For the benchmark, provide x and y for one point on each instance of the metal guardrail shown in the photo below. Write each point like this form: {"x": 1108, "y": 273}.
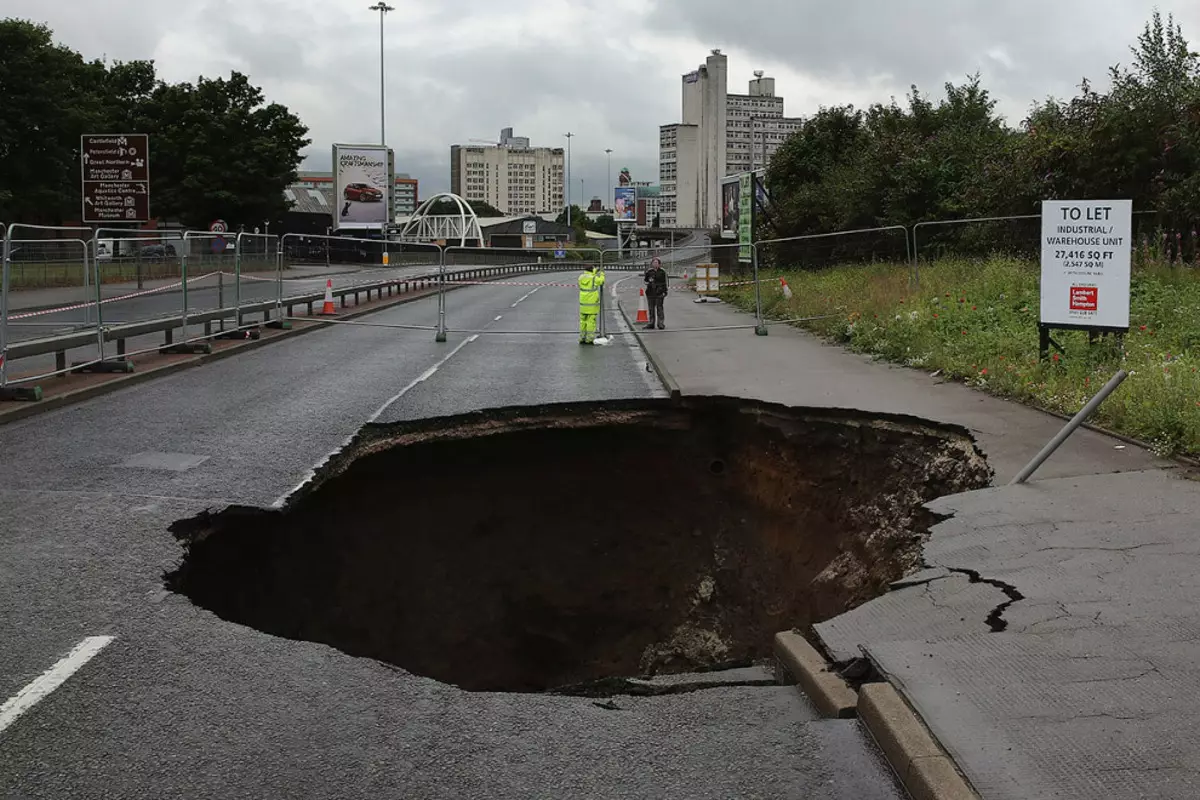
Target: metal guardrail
{"x": 60, "y": 344}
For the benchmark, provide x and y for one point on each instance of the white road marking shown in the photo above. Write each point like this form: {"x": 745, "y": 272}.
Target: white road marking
{"x": 497, "y": 319}
{"x": 424, "y": 376}
{"x": 524, "y": 297}
{"x": 51, "y": 679}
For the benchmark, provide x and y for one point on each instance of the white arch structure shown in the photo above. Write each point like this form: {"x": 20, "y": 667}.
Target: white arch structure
{"x": 425, "y": 227}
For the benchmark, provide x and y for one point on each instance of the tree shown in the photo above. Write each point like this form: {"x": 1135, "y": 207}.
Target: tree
{"x": 447, "y": 207}
{"x": 217, "y": 149}
{"x": 49, "y": 97}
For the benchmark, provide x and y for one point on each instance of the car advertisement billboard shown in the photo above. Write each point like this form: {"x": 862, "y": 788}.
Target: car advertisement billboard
{"x": 362, "y": 179}
{"x": 625, "y": 204}
{"x": 731, "y": 206}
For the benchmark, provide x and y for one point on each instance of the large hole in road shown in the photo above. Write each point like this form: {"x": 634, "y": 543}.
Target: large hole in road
{"x": 530, "y": 549}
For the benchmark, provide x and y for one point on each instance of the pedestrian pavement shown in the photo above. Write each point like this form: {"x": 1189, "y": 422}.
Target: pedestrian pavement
{"x": 1051, "y": 642}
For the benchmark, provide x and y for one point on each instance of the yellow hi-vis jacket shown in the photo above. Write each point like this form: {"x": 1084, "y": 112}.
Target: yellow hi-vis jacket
{"x": 590, "y": 284}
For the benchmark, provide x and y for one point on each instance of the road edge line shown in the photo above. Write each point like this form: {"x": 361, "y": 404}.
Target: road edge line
{"x": 668, "y": 381}
{"x": 914, "y": 753}
{"x": 59, "y": 673}
{"x": 800, "y": 661}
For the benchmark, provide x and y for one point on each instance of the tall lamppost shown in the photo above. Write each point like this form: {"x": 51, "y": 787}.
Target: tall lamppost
{"x": 608, "y": 155}
{"x": 568, "y": 181}
{"x": 382, "y": 8}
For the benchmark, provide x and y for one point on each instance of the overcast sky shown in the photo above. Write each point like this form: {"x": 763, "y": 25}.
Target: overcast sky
{"x": 607, "y": 70}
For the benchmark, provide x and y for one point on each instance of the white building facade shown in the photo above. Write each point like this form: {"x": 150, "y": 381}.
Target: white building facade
{"x": 512, "y": 176}
{"x": 720, "y": 134}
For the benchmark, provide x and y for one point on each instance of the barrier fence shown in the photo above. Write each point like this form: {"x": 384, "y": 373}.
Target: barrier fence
{"x": 127, "y": 284}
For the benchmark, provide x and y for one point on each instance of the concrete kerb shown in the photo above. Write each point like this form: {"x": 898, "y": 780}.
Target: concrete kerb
{"x": 924, "y": 768}
{"x": 800, "y": 663}
{"x": 51, "y": 402}
{"x": 669, "y": 382}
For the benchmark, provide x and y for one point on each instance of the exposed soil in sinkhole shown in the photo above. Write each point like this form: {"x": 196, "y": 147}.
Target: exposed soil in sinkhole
{"x": 528, "y": 549}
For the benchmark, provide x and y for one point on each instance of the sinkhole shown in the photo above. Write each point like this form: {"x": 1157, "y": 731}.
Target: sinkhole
{"x": 536, "y": 548}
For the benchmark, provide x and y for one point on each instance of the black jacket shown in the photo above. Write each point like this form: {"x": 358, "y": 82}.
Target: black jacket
{"x": 656, "y": 282}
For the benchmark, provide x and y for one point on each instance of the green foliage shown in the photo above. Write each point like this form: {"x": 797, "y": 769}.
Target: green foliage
{"x": 446, "y": 207}
{"x": 217, "y": 149}
{"x": 976, "y": 322}
{"x": 956, "y": 158}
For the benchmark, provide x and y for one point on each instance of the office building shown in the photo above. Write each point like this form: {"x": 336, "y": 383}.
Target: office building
{"x": 720, "y": 134}
{"x": 511, "y": 175}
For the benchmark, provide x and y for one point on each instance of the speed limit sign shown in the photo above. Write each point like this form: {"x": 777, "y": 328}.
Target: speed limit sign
{"x": 218, "y": 226}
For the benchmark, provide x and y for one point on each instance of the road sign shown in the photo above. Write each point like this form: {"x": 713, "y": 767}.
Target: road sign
{"x": 218, "y": 245}
{"x": 218, "y": 226}
{"x": 115, "y": 170}
{"x": 560, "y": 253}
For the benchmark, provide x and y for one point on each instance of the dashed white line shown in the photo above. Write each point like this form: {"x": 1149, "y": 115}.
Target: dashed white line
{"x": 524, "y": 297}
{"x": 51, "y": 679}
{"x": 497, "y": 319}
{"x": 424, "y": 376}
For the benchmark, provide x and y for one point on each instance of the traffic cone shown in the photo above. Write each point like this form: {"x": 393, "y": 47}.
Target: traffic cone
{"x": 327, "y": 308}
{"x": 643, "y": 314}
{"x": 787, "y": 290}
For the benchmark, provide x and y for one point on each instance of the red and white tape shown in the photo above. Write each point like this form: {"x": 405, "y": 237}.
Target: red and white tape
{"x": 60, "y": 309}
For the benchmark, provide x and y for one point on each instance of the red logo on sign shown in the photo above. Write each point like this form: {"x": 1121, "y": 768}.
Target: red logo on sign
{"x": 1084, "y": 298}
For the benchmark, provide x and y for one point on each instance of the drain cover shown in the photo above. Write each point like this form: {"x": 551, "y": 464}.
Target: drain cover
{"x": 169, "y": 462}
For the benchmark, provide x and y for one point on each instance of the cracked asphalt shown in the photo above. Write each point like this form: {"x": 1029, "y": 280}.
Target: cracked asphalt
{"x": 182, "y": 704}
{"x": 1051, "y": 640}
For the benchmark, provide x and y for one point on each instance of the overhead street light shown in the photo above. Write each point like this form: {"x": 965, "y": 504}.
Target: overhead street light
{"x": 383, "y": 8}
{"x": 568, "y": 174}
{"x": 608, "y": 155}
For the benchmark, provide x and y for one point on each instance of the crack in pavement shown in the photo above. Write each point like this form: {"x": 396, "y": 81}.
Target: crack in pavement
{"x": 995, "y": 620}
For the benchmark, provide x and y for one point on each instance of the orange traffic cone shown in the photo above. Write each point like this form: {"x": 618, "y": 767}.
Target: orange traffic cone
{"x": 787, "y": 290}
{"x": 328, "y": 307}
{"x": 643, "y": 314}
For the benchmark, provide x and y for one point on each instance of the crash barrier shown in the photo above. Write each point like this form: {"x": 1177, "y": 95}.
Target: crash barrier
{"x": 211, "y": 320}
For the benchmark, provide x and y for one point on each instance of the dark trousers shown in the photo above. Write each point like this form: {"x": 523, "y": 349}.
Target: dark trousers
{"x": 657, "y": 315}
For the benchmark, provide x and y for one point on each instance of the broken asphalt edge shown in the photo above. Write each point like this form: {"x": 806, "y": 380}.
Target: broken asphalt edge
{"x": 53, "y": 401}
{"x": 669, "y": 382}
{"x": 923, "y": 767}
{"x": 919, "y": 761}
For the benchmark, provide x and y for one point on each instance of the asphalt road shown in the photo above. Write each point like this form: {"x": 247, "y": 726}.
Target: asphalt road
{"x": 184, "y": 705}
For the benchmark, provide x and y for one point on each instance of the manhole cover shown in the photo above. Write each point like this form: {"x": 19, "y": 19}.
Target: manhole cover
{"x": 170, "y": 462}
{"x": 536, "y": 548}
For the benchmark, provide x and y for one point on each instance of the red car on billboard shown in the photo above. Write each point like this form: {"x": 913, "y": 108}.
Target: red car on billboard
{"x": 362, "y": 192}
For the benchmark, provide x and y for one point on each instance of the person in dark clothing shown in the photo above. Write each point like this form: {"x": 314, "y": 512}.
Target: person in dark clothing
{"x": 656, "y": 292}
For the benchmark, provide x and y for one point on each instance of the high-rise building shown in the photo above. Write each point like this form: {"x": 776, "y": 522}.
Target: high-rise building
{"x": 720, "y": 134}
{"x": 510, "y": 175}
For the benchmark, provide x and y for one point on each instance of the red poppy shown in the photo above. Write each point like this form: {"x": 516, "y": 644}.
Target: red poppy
{"x": 1056, "y": 357}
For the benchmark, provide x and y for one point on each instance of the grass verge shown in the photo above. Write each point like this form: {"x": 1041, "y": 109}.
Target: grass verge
{"x": 976, "y": 321}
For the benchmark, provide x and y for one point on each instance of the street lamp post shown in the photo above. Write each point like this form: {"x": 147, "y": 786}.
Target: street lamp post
{"x": 568, "y": 181}
{"x": 382, "y": 8}
{"x": 608, "y": 155}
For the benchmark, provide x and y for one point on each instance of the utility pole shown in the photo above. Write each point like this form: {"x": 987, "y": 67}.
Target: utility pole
{"x": 568, "y": 181}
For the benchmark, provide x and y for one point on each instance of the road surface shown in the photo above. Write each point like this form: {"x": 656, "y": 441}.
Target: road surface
{"x": 181, "y": 704}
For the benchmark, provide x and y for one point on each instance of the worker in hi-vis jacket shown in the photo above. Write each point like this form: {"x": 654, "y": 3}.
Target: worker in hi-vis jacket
{"x": 591, "y": 282}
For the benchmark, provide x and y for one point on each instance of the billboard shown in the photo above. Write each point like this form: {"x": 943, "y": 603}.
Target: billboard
{"x": 363, "y": 176}
{"x": 730, "y": 206}
{"x": 1086, "y": 251}
{"x": 745, "y": 215}
{"x": 625, "y": 204}
{"x": 115, "y": 169}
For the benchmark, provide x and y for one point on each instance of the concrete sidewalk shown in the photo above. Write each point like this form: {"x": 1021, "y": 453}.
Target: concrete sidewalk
{"x": 1051, "y": 645}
